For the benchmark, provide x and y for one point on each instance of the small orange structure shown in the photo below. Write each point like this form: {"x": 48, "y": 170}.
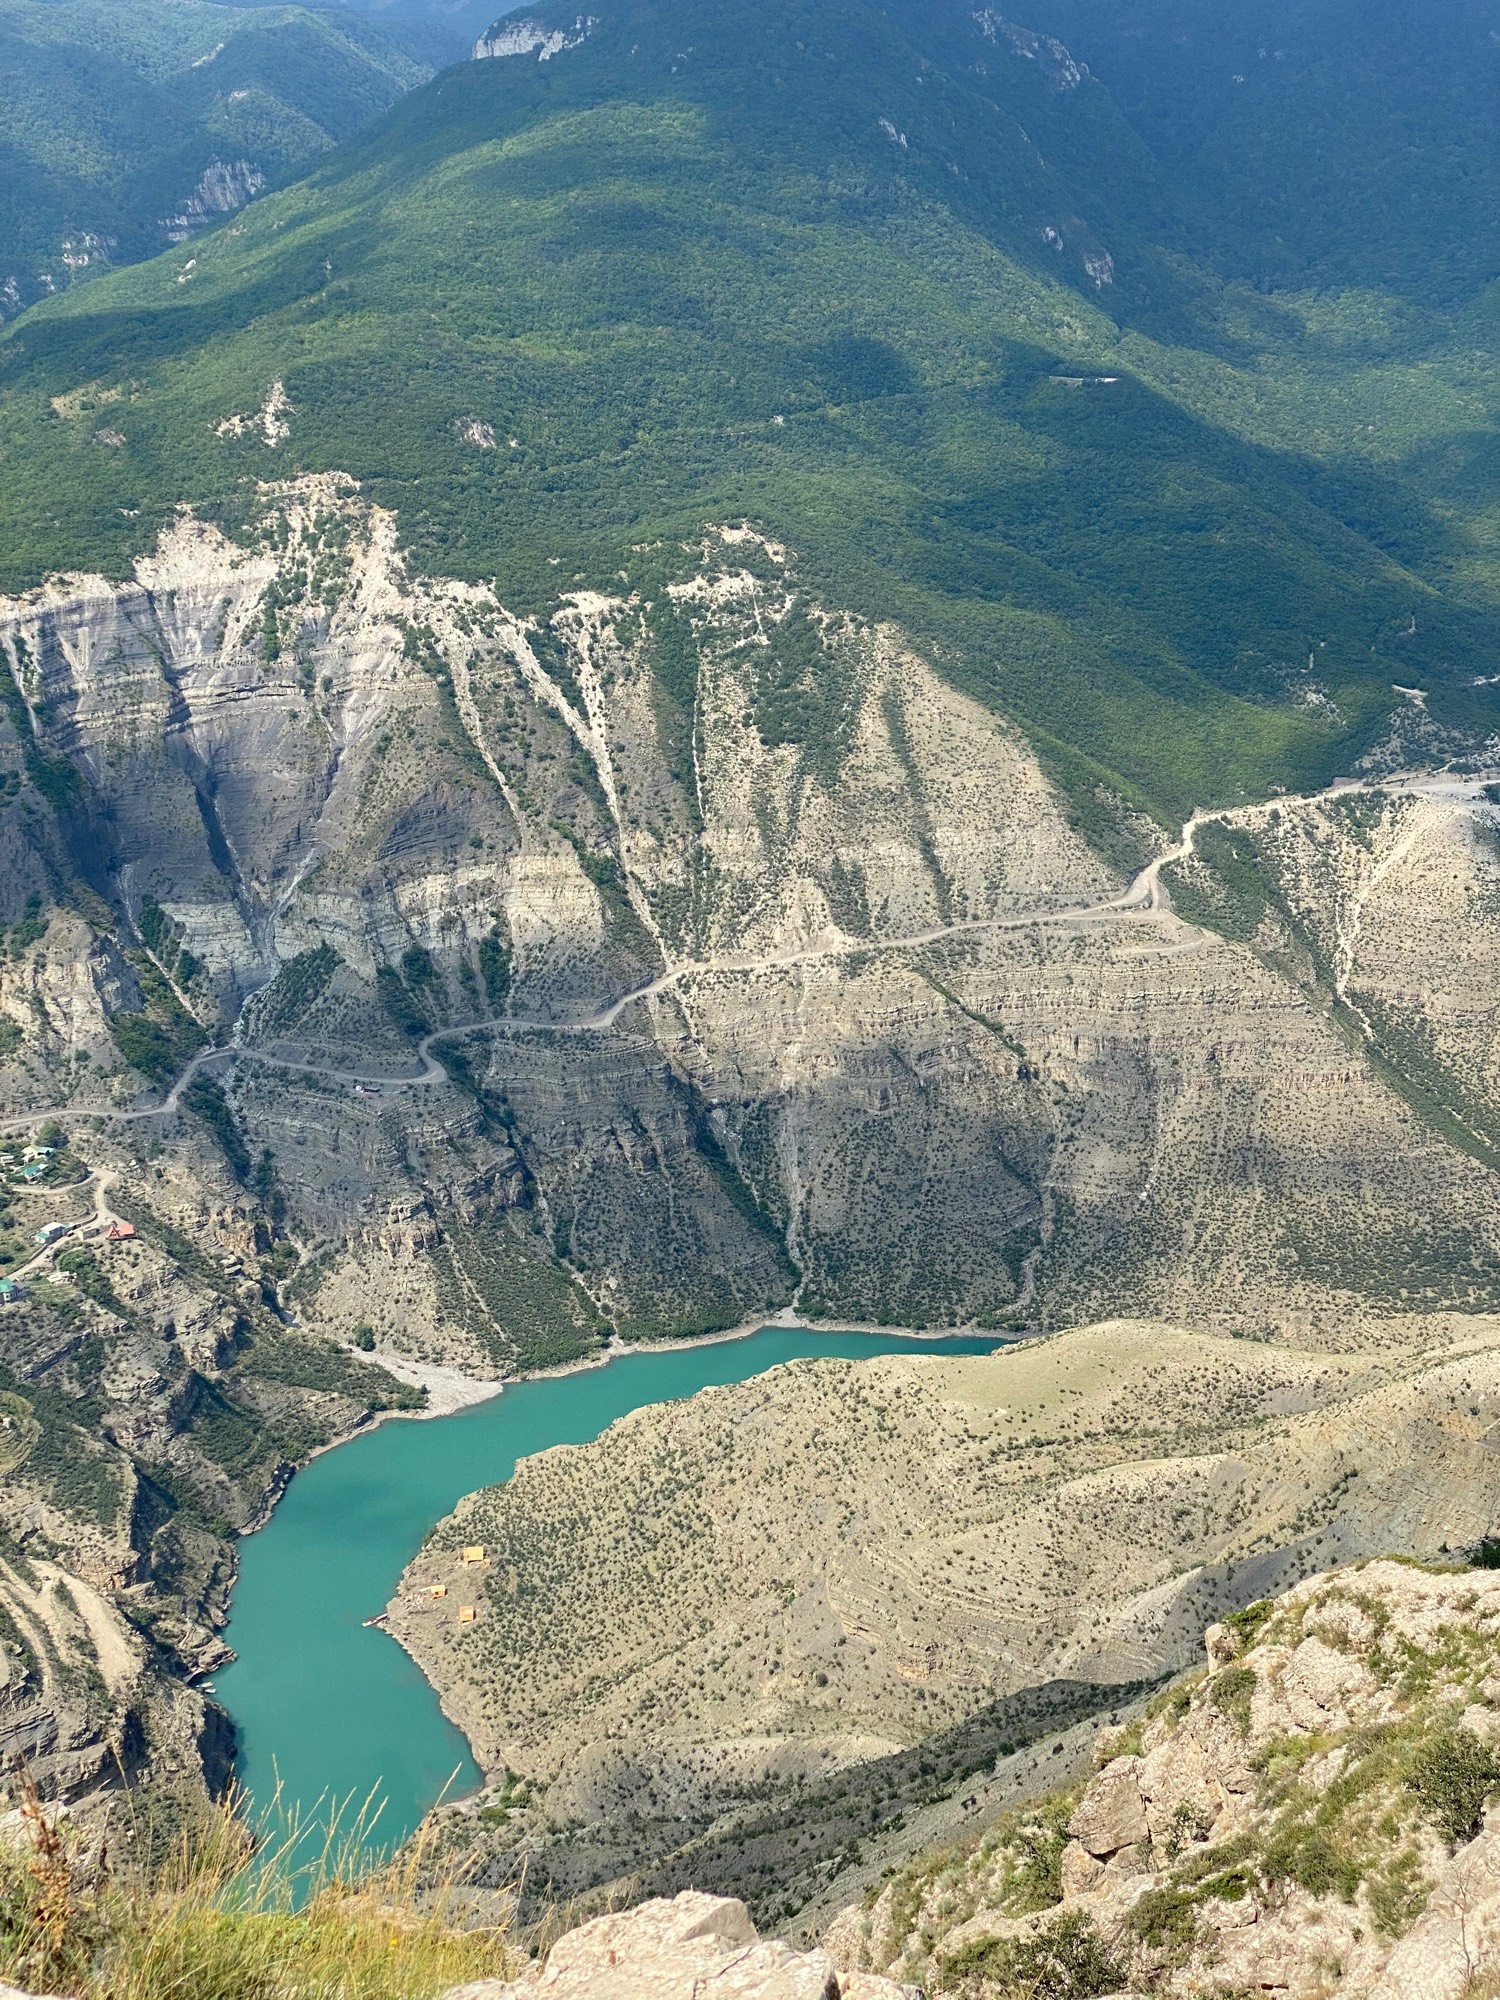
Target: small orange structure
{"x": 437, "y": 1590}
{"x": 467, "y": 1613}
{"x": 473, "y": 1554}
{"x": 117, "y": 1232}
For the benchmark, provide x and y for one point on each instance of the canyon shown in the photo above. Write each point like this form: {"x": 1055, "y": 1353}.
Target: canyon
{"x": 432, "y": 987}
{"x": 757, "y": 667}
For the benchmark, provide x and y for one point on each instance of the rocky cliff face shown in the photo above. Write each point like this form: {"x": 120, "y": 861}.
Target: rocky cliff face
{"x": 150, "y": 1400}
{"x": 380, "y": 808}
{"x": 1310, "y": 1816}
{"x": 1383, "y": 902}
{"x": 794, "y": 976}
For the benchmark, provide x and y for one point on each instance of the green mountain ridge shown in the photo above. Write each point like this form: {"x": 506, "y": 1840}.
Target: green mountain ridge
{"x": 852, "y": 273}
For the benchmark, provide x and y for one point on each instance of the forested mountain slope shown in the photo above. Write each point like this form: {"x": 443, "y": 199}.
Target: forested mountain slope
{"x": 1336, "y": 144}
{"x": 903, "y": 285}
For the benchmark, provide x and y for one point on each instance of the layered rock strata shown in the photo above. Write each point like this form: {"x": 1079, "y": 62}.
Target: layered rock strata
{"x": 901, "y": 1045}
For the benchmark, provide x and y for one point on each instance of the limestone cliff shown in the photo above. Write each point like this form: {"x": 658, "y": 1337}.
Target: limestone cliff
{"x": 793, "y": 976}
{"x": 150, "y": 1400}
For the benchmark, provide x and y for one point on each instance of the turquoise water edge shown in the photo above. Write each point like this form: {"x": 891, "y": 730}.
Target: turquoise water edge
{"x": 329, "y": 1710}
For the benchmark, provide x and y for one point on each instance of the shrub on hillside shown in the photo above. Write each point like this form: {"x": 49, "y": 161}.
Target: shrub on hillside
{"x": 1455, "y": 1776}
{"x": 1064, "y": 1960}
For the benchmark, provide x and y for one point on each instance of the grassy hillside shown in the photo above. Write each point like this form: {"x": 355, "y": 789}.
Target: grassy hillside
{"x": 111, "y": 116}
{"x": 197, "y": 1909}
{"x": 822, "y": 267}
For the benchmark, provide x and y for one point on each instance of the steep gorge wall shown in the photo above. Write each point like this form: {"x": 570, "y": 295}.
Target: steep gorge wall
{"x": 414, "y": 973}
{"x": 901, "y": 1048}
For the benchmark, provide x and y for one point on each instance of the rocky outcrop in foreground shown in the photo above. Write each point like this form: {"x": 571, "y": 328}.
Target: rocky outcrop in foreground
{"x": 688, "y": 1947}
{"x": 1312, "y": 1817}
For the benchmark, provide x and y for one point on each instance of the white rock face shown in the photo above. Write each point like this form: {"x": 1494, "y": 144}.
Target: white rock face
{"x": 1045, "y": 50}
{"x": 519, "y": 38}
{"x": 961, "y": 1067}
{"x": 223, "y": 186}
{"x": 691, "y": 1947}
{"x": 270, "y": 420}
{"x": 1458, "y": 1934}
{"x": 1111, "y": 1815}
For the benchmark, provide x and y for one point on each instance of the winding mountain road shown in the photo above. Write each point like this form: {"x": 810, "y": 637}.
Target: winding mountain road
{"x": 1143, "y": 894}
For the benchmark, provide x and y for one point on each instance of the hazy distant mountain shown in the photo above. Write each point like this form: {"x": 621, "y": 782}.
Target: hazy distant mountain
{"x": 450, "y": 25}
{"x": 125, "y": 129}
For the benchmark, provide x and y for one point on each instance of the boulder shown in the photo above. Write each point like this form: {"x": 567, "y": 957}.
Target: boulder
{"x": 686, "y": 1947}
{"x": 1223, "y": 1645}
{"x": 1111, "y": 1814}
{"x": 1181, "y": 1793}
{"x": 1129, "y": 1864}
{"x": 1080, "y": 1870}
{"x": 1324, "y": 1689}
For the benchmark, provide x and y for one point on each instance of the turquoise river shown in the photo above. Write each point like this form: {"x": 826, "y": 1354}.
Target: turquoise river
{"x": 331, "y": 1710}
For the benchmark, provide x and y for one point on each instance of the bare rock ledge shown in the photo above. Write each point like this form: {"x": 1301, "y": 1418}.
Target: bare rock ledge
{"x": 688, "y": 1947}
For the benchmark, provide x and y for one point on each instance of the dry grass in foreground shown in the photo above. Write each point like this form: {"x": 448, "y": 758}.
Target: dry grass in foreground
{"x": 301, "y": 1914}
